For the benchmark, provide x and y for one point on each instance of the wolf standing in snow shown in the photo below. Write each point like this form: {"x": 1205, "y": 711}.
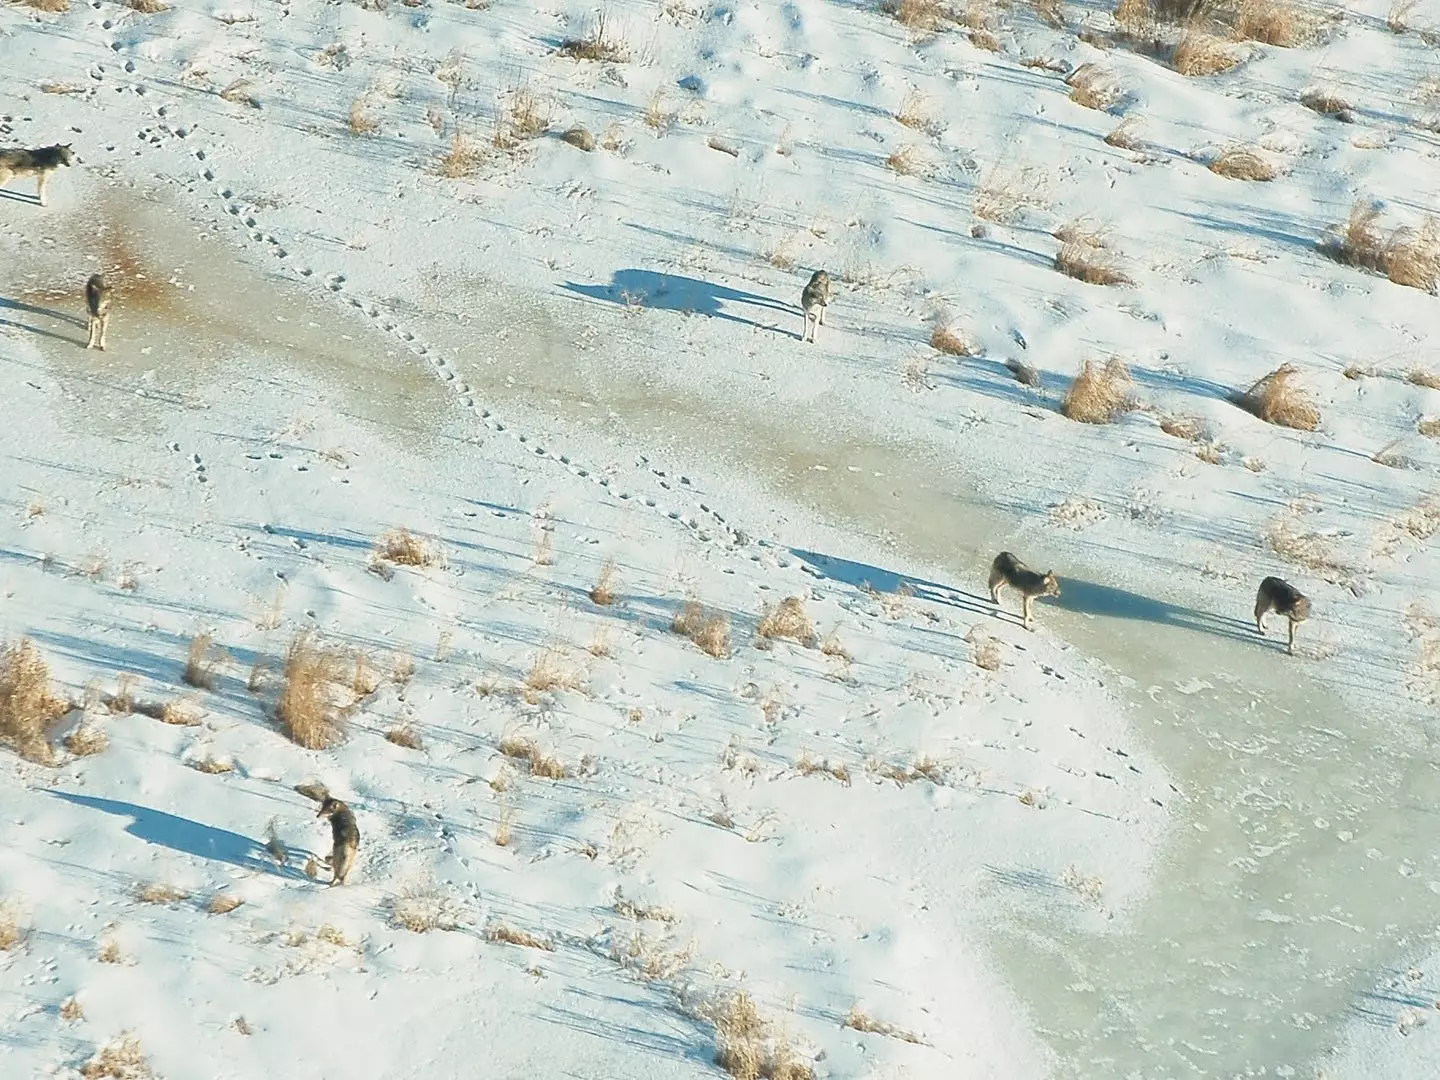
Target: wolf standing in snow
{"x": 813, "y": 301}
{"x": 345, "y": 834}
{"x": 1008, "y": 570}
{"x": 1277, "y": 594}
{"x": 37, "y": 163}
{"x": 97, "y": 303}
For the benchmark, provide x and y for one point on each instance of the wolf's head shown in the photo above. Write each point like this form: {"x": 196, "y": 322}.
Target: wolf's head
{"x": 63, "y": 153}
{"x": 330, "y": 807}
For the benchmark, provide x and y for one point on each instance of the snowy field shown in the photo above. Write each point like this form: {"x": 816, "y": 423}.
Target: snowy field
{"x": 370, "y": 276}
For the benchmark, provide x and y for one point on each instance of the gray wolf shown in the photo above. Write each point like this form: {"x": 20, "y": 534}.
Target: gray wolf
{"x": 1008, "y": 570}
{"x": 1280, "y": 596}
{"x": 345, "y": 834}
{"x": 814, "y": 299}
{"x": 97, "y": 302}
{"x": 37, "y": 163}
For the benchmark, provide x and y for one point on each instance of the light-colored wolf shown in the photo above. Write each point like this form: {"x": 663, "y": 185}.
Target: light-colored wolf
{"x": 1008, "y": 570}
{"x": 37, "y": 163}
{"x": 97, "y": 303}
{"x": 345, "y": 834}
{"x": 1277, "y": 594}
{"x": 814, "y": 299}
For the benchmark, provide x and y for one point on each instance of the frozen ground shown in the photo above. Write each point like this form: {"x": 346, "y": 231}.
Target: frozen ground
{"x": 1223, "y": 855}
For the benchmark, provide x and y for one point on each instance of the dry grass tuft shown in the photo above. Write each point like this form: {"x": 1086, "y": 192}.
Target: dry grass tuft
{"x": 109, "y": 952}
{"x": 1277, "y": 399}
{"x": 71, "y": 1009}
{"x": 603, "y": 591}
{"x": 805, "y": 765}
{"x": 1275, "y": 22}
{"x": 1326, "y": 103}
{"x": 212, "y": 766}
{"x": 1093, "y": 87}
{"x": 925, "y": 16}
{"x": 462, "y": 159}
{"x": 359, "y": 119}
{"x": 1429, "y": 427}
{"x": 511, "y": 935}
{"x": 858, "y": 1020}
{"x": 1189, "y": 428}
{"x": 422, "y": 908}
{"x": 405, "y": 736}
{"x": 787, "y": 620}
{"x": 1051, "y": 12}
{"x": 403, "y": 548}
{"x": 909, "y": 161}
{"x": 1024, "y": 373}
{"x": 1008, "y": 191}
{"x": 549, "y": 673}
{"x": 952, "y": 342}
{"x": 306, "y": 709}
{"x": 1421, "y": 377}
{"x": 1084, "y": 256}
{"x": 223, "y": 903}
{"x": 122, "y": 1058}
{"x": 29, "y": 706}
{"x": 10, "y": 933}
{"x": 54, "y": 7}
{"x": 917, "y": 112}
{"x": 1124, "y": 137}
{"x": 1314, "y": 552}
{"x": 599, "y": 42}
{"x": 181, "y": 712}
{"x": 199, "y": 664}
{"x": 579, "y": 137}
{"x": 239, "y": 93}
{"x": 709, "y": 630}
{"x": 540, "y": 764}
{"x": 1242, "y": 163}
{"x": 746, "y": 1048}
{"x": 87, "y": 740}
{"x": 155, "y": 892}
{"x": 1199, "y": 54}
{"x": 1398, "y": 19}
{"x": 1100, "y": 393}
{"x": 148, "y": 7}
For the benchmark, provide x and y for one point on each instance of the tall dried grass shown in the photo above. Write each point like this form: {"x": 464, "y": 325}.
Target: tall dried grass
{"x": 1085, "y": 256}
{"x": 602, "y": 593}
{"x": 122, "y": 1058}
{"x": 463, "y": 158}
{"x": 599, "y": 41}
{"x": 512, "y": 935}
{"x": 859, "y": 1020}
{"x": 788, "y": 619}
{"x": 1277, "y": 399}
{"x": 404, "y": 548}
{"x": 1276, "y": 22}
{"x": 1199, "y": 54}
{"x": 1242, "y": 163}
{"x": 709, "y": 630}
{"x": 926, "y": 16}
{"x": 1326, "y": 103}
{"x": 1100, "y": 393}
{"x": 200, "y": 665}
{"x": 747, "y": 1047}
{"x": 551, "y": 671}
{"x": 10, "y": 932}
{"x": 307, "y": 709}
{"x": 1093, "y": 87}
{"x": 523, "y": 748}
{"x": 1008, "y": 191}
{"x": 29, "y": 706}
{"x": 422, "y": 908}
{"x": 917, "y": 111}
{"x": 952, "y": 342}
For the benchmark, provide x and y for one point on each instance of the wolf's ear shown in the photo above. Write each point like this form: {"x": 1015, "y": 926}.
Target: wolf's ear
{"x": 69, "y": 145}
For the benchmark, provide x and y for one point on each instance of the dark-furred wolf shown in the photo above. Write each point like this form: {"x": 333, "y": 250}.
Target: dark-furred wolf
{"x": 814, "y": 299}
{"x": 97, "y": 303}
{"x": 1277, "y": 594}
{"x": 37, "y": 163}
{"x": 1008, "y": 570}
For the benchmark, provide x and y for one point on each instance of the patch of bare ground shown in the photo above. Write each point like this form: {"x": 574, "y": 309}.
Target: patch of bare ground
{"x": 1198, "y": 54}
{"x": 1093, "y": 87}
{"x": 511, "y": 935}
{"x": 1242, "y": 163}
{"x": 1085, "y": 255}
{"x": 1100, "y": 394}
{"x": 1407, "y": 256}
{"x": 788, "y": 619}
{"x": 1278, "y": 399}
{"x": 599, "y": 41}
{"x": 307, "y": 709}
{"x": 710, "y": 631}
{"x": 29, "y": 705}
{"x": 422, "y": 908}
{"x": 523, "y": 748}
{"x": 859, "y": 1020}
{"x": 122, "y": 1058}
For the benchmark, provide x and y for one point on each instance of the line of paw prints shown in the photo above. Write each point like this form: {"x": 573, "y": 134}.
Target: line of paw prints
{"x": 699, "y": 524}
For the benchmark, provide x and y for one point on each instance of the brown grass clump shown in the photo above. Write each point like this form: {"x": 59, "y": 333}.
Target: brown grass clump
{"x": 511, "y": 935}
{"x": 71, "y": 1009}
{"x": 1421, "y": 377}
{"x": 155, "y": 892}
{"x": 87, "y": 740}
{"x": 1200, "y": 54}
{"x": 148, "y": 7}
{"x": 404, "y": 548}
{"x": 917, "y": 112}
{"x": 909, "y": 161}
{"x": 579, "y": 137}
{"x": 710, "y": 631}
{"x": 212, "y": 766}
{"x": 1326, "y": 103}
{"x": 859, "y": 1020}
{"x": 745, "y": 1047}
{"x": 1242, "y": 163}
{"x": 28, "y": 704}
{"x": 1398, "y": 19}
{"x": 1084, "y": 256}
{"x": 1124, "y": 137}
{"x": 1008, "y": 191}
{"x": 1189, "y": 428}
{"x": 1051, "y": 12}
{"x": 984, "y": 649}
{"x": 805, "y": 765}
{"x": 1024, "y": 373}
{"x": 1276, "y": 399}
{"x": 1308, "y": 549}
{"x": 550, "y": 672}
{"x": 540, "y": 764}
{"x": 952, "y": 342}
{"x": 359, "y": 119}
{"x": 1429, "y": 427}
{"x": 239, "y": 93}
{"x": 1275, "y": 22}
{"x": 182, "y": 712}
{"x": 223, "y": 903}
{"x": 422, "y": 908}
{"x": 602, "y": 593}
{"x": 787, "y": 620}
{"x": 463, "y": 159}
{"x": 599, "y": 42}
{"x": 926, "y": 16}
{"x": 306, "y": 709}
{"x": 54, "y": 7}
{"x": 199, "y": 664}
{"x": 405, "y": 736}
{"x": 1100, "y": 393}
{"x": 10, "y": 934}
{"x": 1093, "y": 87}
{"x": 122, "y": 1058}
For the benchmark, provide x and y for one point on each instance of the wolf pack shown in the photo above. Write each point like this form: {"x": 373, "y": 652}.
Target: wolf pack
{"x": 1006, "y": 571}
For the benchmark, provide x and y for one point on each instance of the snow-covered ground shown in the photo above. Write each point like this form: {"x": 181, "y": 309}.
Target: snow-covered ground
{"x": 1147, "y": 844}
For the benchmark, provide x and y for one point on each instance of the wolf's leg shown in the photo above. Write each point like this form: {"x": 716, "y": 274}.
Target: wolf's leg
{"x": 1291, "y": 648}
{"x": 40, "y": 187}
{"x": 1029, "y": 600}
{"x": 104, "y": 326}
